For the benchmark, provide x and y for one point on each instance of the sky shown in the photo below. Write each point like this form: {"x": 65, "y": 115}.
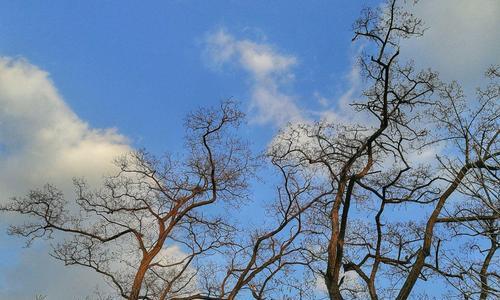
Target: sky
{"x": 83, "y": 82}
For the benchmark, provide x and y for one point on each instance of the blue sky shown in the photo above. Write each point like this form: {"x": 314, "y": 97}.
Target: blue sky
{"x": 116, "y": 63}
{"x": 76, "y": 69}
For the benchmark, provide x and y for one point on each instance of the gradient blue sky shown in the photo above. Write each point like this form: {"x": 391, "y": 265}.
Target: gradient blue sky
{"x": 139, "y": 68}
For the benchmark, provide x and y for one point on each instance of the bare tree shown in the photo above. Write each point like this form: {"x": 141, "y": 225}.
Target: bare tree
{"x": 122, "y": 230}
{"x": 267, "y": 262}
{"x": 348, "y": 153}
{"x": 374, "y": 167}
{"x": 356, "y": 208}
{"x": 473, "y": 219}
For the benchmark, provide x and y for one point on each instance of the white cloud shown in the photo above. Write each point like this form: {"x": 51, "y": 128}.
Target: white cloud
{"x": 174, "y": 255}
{"x": 42, "y": 140}
{"x": 268, "y": 70}
{"x": 37, "y": 273}
{"x": 462, "y": 39}
{"x": 351, "y": 281}
{"x": 170, "y": 255}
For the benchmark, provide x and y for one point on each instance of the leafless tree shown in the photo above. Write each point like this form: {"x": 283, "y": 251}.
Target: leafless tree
{"x": 150, "y": 231}
{"x": 268, "y": 263}
{"x": 121, "y": 231}
{"x": 376, "y": 167}
{"x": 472, "y": 220}
{"x": 356, "y": 208}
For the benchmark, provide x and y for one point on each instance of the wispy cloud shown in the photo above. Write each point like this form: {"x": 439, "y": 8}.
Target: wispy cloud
{"x": 268, "y": 71}
{"x": 338, "y": 109}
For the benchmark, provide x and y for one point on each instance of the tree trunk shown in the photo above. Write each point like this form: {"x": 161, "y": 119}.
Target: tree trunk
{"x": 417, "y": 267}
{"x": 484, "y": 269}
{"x": 139, "y": 277}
